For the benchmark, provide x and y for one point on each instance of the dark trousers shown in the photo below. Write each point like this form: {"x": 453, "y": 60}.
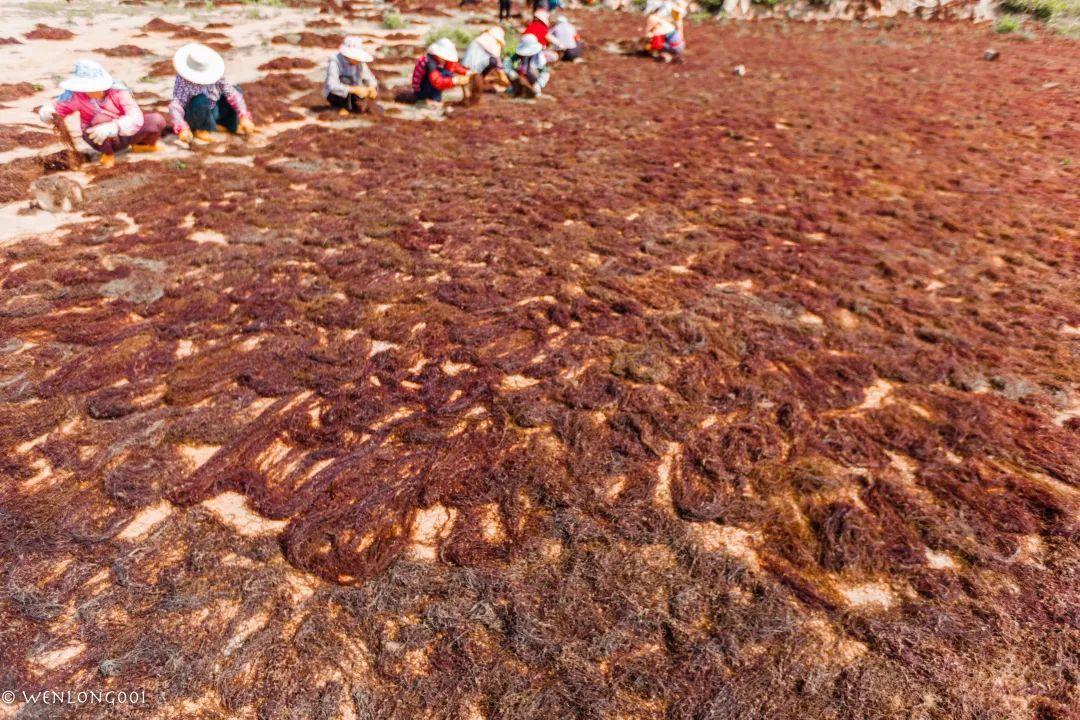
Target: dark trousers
{"x": 573, "y": 53}
{"x": 354, "y": 104}
{"x": 504, "y": 9}
{"x": 148, "y": 134}
{"x": 201, "y": 114}
{"x": 350, "y": 102}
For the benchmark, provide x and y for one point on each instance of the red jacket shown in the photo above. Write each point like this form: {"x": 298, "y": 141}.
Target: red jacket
{"x": 439, "y": 80}
{"x": 539, "y": 29}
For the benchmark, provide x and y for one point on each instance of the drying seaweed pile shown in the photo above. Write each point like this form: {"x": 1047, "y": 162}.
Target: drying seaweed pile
{"x": 695, "y": 397}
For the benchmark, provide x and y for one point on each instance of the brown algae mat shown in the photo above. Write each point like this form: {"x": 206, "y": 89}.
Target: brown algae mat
{"x": 683, "y": 395}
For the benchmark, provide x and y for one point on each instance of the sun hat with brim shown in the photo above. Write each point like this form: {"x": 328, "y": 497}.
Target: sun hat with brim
{"x": 528, "y": 45}
{"x": 658, "y": 26}
{"x": 353, "y": 48}
{"x": 542, "y": 15}
{"x": 88, "y": 76}
{"x": 199, "y": 64}
{"x": 490, "y": 43}
{"x": 443, "y": 49}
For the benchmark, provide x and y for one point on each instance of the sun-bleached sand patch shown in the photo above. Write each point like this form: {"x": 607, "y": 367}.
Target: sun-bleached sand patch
{"x": 662, "y": 494}
{"x": 146, "y": 520}
{"x": 58, "y": 658}
{"x": 940, "y": 561}
{"x": 516, "y": 382}
{"x": 208, "y": 236}
{"x": 232, "y": 509}
{"x": 430, "y": 527}
{"x": 729, "y": 540}
{"x": 871, "y": 595}
{"x": 197, "y": 455}
{"x": 876, "y": 395}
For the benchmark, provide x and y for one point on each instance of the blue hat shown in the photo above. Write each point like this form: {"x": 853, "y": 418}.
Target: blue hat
{"x": 89, "y": 76}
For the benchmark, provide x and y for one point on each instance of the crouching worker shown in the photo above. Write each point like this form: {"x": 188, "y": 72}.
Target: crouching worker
{"x": 203, "y": 101}
{"x": 564, "y": 38}
{"x": 437, "y": 70}
{"x": 350, "y": 85}
{"x": 665, "y": 40}
{"x": 484, "y": 57}
{"x": 108, "y": 115}
{"x": 527, "y": 68}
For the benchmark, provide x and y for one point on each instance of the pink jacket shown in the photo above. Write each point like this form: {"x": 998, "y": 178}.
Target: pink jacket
{"x": 117, "y": 105}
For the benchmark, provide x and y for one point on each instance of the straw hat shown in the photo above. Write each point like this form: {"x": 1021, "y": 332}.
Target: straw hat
{"x": 656, "y": 25}
{"x": 88, "y": 76}
{"x": 492, "y": 40}
{"x": 199, "y": 64}
{"x": 543, "y": 16}
{"x": 444, "y": 49}
{"x": 528, "y": 45}
{"x": 353, "y": 48}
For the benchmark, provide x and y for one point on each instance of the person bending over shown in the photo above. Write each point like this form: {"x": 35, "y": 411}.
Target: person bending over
{"x": 484, "y": 57}
{"x": 437, "y": 70}
{"x": 108, "y": 115}
{"x": 350, "y": 85}
{"x": 527, "y": 68}
{"x": 203, "y": 101}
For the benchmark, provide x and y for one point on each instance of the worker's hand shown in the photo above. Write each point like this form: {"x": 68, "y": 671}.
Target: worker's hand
{"x": 47, "y": 112}
{"x": 186, "y": 136}
{"x": 461, "y": 79}
{"x": 246, "y": 126}
{"x": 103, "y": 131}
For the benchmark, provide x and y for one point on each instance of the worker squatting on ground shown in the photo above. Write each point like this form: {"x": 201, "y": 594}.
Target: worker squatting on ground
{"x": 527, "y": 68}
{"x": 111, "y": 121}
{"x": 484, "y": 57}
{"x": 203, "y": 101}
{"x": 565, "y": 40}
{"x": 350, "y": 85}
{"x": 665, "y": 42}
{"x": 437, "y": 70}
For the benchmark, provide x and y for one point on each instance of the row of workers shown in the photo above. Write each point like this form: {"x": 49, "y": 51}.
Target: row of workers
{"x": 204, "y": 101}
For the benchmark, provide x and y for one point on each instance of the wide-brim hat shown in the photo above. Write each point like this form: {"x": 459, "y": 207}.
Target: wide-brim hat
{"x": 492, "y": 44}
{"x": 353, "y": 48}
{"x": 656, "y": 25}
{"x": 543, "y": 16}
{"x": 528, "y": 45}
{"x": 199, "y": 64}
{"x": 444, "y": 49}
{"x": 88, "y": 76}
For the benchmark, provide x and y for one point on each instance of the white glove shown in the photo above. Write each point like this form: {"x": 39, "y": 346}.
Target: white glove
{"x": 102, "y": 132}
{"x": 47, "y": 112}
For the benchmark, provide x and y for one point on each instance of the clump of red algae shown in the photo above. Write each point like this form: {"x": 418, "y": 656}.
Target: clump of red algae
{"x": 45, "y": 32}
{"x": 709, "y": 409}
{"x": 123, "y": 51}
{"x": 287, "y": 63}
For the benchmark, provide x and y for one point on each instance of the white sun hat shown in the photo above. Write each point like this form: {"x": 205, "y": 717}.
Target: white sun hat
{"x": 88, "y": 76}
{"x": 199, "y": 64}
{"x": 528, "y": 45}
{"x": 492, "y": 41}
{"x": 542, "y": 15}
{"x": 444, "y": 49}
{"x": 353, "y": 48}
{"x": 656, "y": 25}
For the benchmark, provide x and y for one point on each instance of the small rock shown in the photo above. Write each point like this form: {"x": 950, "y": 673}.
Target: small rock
{"x": 739, "y": 71}
{"x": 991, "y": 55}
{"x": 56, "y": 193}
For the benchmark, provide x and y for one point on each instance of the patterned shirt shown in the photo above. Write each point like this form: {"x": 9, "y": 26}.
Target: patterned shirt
{"x": 184, "y": 90}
